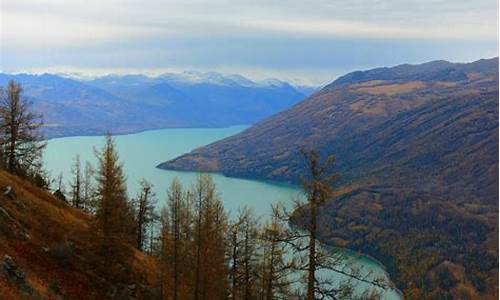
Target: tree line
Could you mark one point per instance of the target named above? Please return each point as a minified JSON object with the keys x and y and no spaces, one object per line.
{"x":202,"y":252}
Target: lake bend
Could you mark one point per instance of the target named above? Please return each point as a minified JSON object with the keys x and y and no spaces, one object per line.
{"x":140,"y":153}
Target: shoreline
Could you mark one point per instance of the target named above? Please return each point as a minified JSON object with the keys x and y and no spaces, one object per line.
{"x":131,"y":132}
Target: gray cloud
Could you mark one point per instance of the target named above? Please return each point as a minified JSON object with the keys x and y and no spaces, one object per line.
{"x":278,"y":37}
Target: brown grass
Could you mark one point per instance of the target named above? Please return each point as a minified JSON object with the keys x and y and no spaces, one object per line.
{"x":368,"y":83}
{"x":50,"y":222}
{"x":9,"y":291}
{"x":207,"y":165}
{"x":392,"y":89}
{"x":474,"y":75}
{"x":446,"y":84}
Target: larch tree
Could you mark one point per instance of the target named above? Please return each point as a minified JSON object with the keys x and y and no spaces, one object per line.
{"x":185,"y":245}
{"x":164,"y":284}
{"x":76,"y":183}
{"x":215,"y":275}
{"x":318,"y":262}
{"x":210,"y":227}
{"x":278,"y":263}
{"x":174,"y":206}
{"x":145,"y":214}
{"x":242,"y":251}
{"x":21,"y":139}
{"x":249,"y":254}
{"x":115,"y":224}
{"x":88,"y":188}
{"x":201,"y":191}
{"x":177,"y":244}
{"x":234,"y":245}
{"x":317,"y":186}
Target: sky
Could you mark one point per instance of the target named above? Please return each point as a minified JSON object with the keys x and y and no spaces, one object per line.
{"x":306,"y":42}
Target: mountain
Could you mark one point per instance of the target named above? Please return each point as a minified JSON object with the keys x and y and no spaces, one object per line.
{"x":370,"y":126}
{"x":131,"y":103}
{"x":71,"y":107}
{"x":47,"y":251}
{"x":417,"y":150}
{"x":206,"y":99}
{"x":194,"y":77}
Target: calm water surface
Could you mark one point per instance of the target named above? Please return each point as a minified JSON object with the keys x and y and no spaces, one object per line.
{"x":141,"y":152}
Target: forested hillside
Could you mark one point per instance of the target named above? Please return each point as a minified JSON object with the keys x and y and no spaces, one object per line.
{"x":417,"y":152}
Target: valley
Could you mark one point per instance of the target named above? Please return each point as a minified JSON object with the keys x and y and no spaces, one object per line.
{"x":249,"y":150}
{"x":141,"y":152}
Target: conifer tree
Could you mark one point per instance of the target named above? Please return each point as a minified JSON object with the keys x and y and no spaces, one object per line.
{"x":88,"y":188}
{"x":145,"y":215}
{"x":21,"y":140}
{"x":317,"y":186}
{"x":278,"y":263}
{"x":210,"y":226}
{"x":234,"y":248}
{"x":76,"y":184}
{"x":242,"y":255}
{"x":115,"y":225}
{"x":177,"y":244}
{"x":165,"y":256}
{"x":174,"y":203}
{"x":318,"y":189}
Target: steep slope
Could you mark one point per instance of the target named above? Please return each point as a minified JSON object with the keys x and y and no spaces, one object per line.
{"x":417,"y":151}
{"x":432,"y":247}
{"x":45,"y":251}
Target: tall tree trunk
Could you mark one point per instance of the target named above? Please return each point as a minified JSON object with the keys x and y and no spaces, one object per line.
{"x":311,"y":276}
{"x":140,"y":238}
{"x":234,"y":263}
{"x":198,"y":250}
{"x":269,"y":290}
{"x":176,"y":247}
{"x":12,"y":145}
{"x":247,"y":271}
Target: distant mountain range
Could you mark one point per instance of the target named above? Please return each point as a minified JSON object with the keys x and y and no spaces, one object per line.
{"x":417,"y":151}
{"x":131,"y":103}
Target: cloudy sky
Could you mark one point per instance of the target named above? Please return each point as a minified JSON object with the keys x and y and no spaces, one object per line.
{"x":303,"y":41}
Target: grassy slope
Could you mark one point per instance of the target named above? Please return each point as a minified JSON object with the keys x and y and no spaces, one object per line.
{"x":50,"y":242}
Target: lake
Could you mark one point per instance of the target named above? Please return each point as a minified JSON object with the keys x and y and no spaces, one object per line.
{"x":141,"y":152}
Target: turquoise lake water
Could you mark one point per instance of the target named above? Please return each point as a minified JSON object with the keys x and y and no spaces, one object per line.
{"x":141,"y":152}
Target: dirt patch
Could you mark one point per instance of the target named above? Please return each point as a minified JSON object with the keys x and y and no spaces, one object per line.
{"x":474,"y":75}
{"x":205,"y":164}
{"x":368,"y":107}
{"x":368,"y":83}
{"x":392,"y":89}
{"x":446,"y":84}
